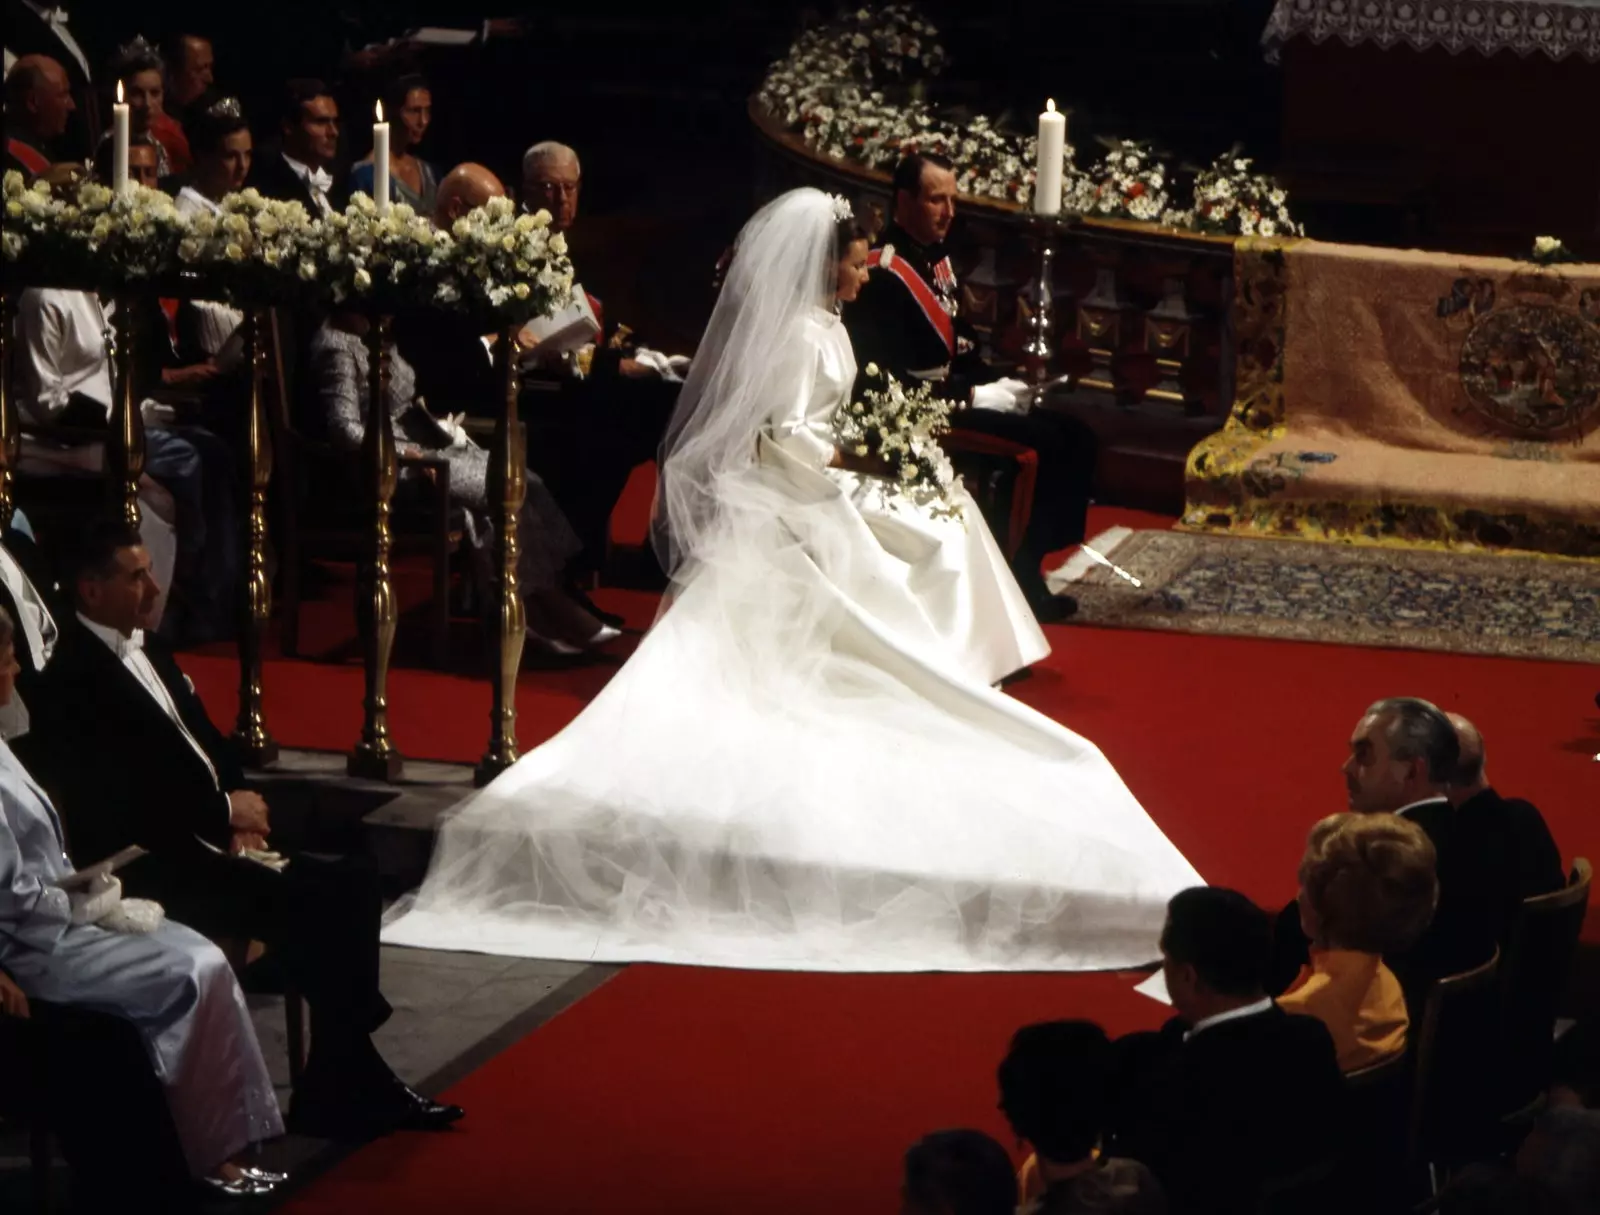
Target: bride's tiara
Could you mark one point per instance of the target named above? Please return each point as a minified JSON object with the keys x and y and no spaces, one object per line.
{"x":842,"y":210}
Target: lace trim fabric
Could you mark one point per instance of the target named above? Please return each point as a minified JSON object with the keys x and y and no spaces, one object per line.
{"x":1557,"y":28}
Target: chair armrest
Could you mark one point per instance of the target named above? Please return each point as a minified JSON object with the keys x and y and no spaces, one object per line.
{"x":435,"y":467}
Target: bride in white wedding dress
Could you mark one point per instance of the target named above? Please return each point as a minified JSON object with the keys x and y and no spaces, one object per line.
{"x":804,"y":765}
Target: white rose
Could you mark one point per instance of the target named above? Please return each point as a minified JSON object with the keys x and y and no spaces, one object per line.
{"x":1545,"y":245}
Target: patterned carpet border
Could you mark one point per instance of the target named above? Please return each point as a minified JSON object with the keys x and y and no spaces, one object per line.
{"x":1513,"y":607}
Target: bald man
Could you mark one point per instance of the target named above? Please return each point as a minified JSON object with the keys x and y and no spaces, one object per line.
{"x":463,"y":188}
{"x":1507,"y":852}
{"x":39,"y":105}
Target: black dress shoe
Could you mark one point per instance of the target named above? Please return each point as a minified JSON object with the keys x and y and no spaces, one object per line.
{"x":426,"y":1114}
{"x":1052,"y":609}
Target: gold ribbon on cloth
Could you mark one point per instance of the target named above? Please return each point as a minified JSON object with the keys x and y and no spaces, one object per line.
{"x":1398,"y":396}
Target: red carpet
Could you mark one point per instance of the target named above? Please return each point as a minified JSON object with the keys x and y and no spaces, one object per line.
{"x":681,"y":1090}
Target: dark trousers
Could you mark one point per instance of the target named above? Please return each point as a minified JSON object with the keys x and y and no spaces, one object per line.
{"x":585,"y":440}
{"x":1066,"y":449}
{"x":319,"y":917}
{"x":104,"y":1105}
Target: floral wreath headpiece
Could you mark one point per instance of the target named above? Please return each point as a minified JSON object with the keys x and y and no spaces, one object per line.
{"x":226,"y":107}
{"x":842,"y":210}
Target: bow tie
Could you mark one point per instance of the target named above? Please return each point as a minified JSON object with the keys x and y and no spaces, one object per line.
{"x":57,"y":17}
{"x":130,"y":645}
{"x":319,"y":180}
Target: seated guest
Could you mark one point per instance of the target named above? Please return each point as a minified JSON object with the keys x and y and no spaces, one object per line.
{"x":136,"y":761}
{"x":1233,"y":1093}
{"x":64,"y":393}
{"x":908,"y":321}
{"x":144,"y":161}
{"x":191,"y":71}
{"x":408,"y":105}
{"x":1562,"y":1153}
{"x":608,"y":418}
{"x":1403,"y":755}
{"x":957,"y":1173}
{"x":1367,"y":888}
{"x":209,"y":333}
{"x":1055,"y":1091}
{"x":38,"y":106}
{"x":339,"y":368}
{"x":170,"y":982}
{"x":296,"y":169}
{"x":142,"y":74}
{"x":1505,"y":844}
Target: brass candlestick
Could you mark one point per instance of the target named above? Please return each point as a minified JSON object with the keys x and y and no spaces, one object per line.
{"x":374,"y":757}
{"x":125,"y":452}
{"x":10,"y":435}
{"x":255,"y":743}
{"x":506,"y":489}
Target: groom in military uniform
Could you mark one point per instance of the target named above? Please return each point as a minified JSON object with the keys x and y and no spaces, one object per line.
{"x":906,"y":320}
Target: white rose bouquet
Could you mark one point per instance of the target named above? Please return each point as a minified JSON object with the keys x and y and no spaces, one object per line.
{"x":901,"y":428}
{"x":259,"y":250}
{"x":1129,"y":183}
{"x":387,"y":261}
{"x":503,"y":267}
{"x":92,"y":238}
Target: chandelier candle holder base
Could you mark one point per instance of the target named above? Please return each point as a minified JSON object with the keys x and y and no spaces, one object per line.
{"x":506,"y":490}
{"x":375,"y":757}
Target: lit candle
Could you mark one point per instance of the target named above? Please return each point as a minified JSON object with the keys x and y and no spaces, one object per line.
{"x":1052,"y":150}
{"x":119,"y":144}
{"x":380,"y":162}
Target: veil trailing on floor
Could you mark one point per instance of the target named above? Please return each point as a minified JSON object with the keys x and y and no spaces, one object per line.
{"x":778,"y":778}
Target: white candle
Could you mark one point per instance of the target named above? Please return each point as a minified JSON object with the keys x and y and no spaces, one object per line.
{"x":1052,"y":148}
{"x":119,"y":144}
{"x":380,"y":162}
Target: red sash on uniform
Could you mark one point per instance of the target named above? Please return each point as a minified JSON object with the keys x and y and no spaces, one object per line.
{"x":599,"y":312}
{"x":34,"y":160}
{"x":920,"y":291}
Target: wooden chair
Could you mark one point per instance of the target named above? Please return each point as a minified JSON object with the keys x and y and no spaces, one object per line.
{"x":24,"y":1079}
{"x":1533,"y":979}
{"x":1455,"y":1096}
{"x":1379,"y":1114}
{"x":312,"y":474}
{"x":1002,"y":477}
{"x":241,"y":956}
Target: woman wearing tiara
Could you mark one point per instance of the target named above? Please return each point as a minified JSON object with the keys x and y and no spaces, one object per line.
{"x":805,"y":764}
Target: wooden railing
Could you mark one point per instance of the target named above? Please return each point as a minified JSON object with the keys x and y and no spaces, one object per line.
{"x":373,"y":755}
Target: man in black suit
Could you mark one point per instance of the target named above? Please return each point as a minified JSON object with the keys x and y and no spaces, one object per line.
{"x":1404,"y":754}
{"x":35,"y":29}
{"x":1233,"y":1093}
{"x":133,"y":759}
{"x":907,"y":321}
{"x":297,"y":168}
{"x":1505,"y":844}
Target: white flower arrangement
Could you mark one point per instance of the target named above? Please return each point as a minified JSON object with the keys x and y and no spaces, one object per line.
{"x":387,"y":260}
{"x":1230,"y":198}
{"x":1551,"y":251}
{"x":830,"y":89}
{"x":257,"y":250}
{"x":93,"y":236}
{"x":1128,"y":183}
{"x":502,"y":266}
{"x":901,"y":428}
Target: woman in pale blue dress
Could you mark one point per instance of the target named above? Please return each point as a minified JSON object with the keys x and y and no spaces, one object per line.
{"x":172,"y":984}
{"x":408,"y":106}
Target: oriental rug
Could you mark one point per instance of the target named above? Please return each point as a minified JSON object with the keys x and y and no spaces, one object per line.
{"x":1522,"y":607}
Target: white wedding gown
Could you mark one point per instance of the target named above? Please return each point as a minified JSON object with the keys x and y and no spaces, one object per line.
{"x":804,"y":765}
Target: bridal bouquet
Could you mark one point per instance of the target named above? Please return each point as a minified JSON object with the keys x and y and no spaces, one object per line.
{"x":902,"y":428}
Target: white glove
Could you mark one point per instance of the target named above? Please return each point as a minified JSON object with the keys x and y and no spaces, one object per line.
{"x":98,"y":901}
{"x":668,"y":367}
{"x":1003,"y":396}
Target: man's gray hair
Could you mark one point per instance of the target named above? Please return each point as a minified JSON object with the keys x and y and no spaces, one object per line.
{"x":545,"y":152}
{"x":1418,"y":729}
